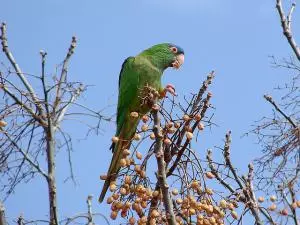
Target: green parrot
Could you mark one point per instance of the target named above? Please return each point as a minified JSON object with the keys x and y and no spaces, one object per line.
{"x":145,"y":69}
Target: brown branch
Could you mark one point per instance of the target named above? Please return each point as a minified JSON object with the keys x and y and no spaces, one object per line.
{"x":286,"y":26}
{"x":161,"y":173}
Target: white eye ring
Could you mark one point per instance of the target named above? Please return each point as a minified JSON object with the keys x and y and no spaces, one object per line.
{"x":174,"y":49}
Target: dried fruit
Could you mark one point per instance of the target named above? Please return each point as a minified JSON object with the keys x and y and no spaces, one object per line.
{"x":200,"y":126}
{"x":109,"y":200}
{"x":197,"y":117}
{"x":177,"y":125}
{"x":115,"y":196}
{"x":189,"y":135}
{"x":260,"y":199}
{"x":273,"y":198}
{"x":210,"y":175}
{"x":144,"y":127}
{"x":152,"y":136}
{"x":137,"y":137}
{"x":114,"y":215}
{"x":115,"y":139}
{"x":175,"y":191}
{"x":123,"y":162}
{"x":284,"y":212}
{"x":145,"y":118}
{"x":167,"y":141}
{"x":234,"y":215}
{"x":223,"y":204}
{"x":3,"y":123}
{"x":112,"y":187}
{"x":103,"y":177}
{"x":131,"y":220}
{"x":134,"y":114}
{"x":179,"y":201}
{"x":126,"y":152}
{"x":272,"y":207}
{"x":186,"y":118}
{"x":138,"y":155}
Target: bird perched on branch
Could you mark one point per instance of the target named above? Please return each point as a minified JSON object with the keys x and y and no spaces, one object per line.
{"x":139,"y":77}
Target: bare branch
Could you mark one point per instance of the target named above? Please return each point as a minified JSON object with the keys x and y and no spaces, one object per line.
{"x":17,"y":68}
{"x":286,"y":26}
{"x":161,"y":172}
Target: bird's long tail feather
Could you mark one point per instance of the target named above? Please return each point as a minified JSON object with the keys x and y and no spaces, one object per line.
{"x":114,"y":166}
{"x":124,"y":142}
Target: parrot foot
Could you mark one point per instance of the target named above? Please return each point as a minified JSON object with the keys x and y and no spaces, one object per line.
{"x":169,"y":88}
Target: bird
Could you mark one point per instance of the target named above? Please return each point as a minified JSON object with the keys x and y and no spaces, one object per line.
{"x":143,"y":70}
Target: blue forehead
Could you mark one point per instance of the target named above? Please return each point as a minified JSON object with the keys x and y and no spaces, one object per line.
{"x":179,"y":49}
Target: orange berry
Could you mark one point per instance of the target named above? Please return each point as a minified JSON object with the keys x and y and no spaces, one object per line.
{"x":210,"y":175}
{"x":3,"y":123}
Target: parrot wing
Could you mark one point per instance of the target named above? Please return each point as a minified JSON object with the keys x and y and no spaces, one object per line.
{"x":126,"y":126}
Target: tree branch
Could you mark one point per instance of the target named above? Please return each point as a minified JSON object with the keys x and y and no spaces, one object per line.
{"x":161,"y":173}
{"x":286,"y":26}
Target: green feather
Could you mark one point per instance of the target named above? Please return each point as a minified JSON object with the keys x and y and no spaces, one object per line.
{"x":137,"y":72}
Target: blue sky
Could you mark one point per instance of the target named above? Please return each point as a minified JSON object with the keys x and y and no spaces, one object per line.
{"x":234,"y":38}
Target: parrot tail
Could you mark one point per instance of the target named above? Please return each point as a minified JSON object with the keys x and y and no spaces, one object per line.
{"x":114,"y":166}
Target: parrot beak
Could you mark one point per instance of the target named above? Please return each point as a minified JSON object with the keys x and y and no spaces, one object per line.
{"x":179,"y":60}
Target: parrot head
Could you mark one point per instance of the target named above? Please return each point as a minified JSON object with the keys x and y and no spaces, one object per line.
{"x":165,"y":55}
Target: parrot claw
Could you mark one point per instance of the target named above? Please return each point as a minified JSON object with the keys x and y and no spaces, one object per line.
{"x":169,"y":88}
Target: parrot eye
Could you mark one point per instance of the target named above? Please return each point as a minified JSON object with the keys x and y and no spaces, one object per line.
{"x":174,"y":49}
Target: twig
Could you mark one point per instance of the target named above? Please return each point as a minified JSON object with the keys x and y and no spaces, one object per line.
{"x":18,"y":69}
{"x":161,"y":173}
{"x":286,"y":26}
{"x":64,"y":71}
{"x":270,"y":99}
